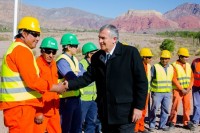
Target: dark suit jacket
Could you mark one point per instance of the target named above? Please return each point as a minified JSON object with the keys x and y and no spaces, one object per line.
{"x":121,"y":83}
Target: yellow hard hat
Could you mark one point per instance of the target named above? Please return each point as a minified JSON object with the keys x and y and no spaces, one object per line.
{"x":183,"y":52}
{"x":29,"y":23}
{"x":165,"y":54}
{"x":145,"y":52}
{"x":124,"y":43}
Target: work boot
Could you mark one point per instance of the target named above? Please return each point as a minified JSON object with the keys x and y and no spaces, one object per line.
{"x":165,"y":128}
{"x":195,"y":124}
{"x":171,"y":126}
{"x":151,"y":129}
{"x":189,"y":126}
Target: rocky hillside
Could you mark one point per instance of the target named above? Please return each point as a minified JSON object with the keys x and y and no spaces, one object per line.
{"x":183,"y":17}
{"x":186,"y":15}
{"x":56,"y":18}
{"x":134,"y":21}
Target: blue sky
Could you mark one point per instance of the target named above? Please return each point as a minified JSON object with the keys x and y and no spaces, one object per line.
{"x":111,"y":8}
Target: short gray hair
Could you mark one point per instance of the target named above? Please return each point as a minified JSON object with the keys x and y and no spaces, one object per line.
{"x":113,"y":30}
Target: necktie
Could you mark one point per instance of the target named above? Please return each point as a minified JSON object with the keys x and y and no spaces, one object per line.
{"x":107,"y":57}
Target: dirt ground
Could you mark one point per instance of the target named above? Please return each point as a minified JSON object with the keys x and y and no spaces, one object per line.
{"x":179,"y":127}
{"x":138,"y":41}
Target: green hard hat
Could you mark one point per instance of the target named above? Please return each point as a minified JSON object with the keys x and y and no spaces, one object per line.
{"x":49,"y":42}
{"x":69,"y":39}
{"x":88,"y":47}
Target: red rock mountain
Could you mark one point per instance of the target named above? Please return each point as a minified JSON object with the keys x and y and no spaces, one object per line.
{"x":55,"y":18}
{"x":135,"y":21}
{"x":186,"y":15}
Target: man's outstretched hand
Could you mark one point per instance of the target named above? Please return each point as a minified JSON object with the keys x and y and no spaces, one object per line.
{"x":60,"y":87}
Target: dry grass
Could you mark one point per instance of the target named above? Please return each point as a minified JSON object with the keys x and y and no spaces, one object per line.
{"x":137,"y":40}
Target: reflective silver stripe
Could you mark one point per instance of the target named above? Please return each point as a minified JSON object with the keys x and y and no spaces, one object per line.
{"x":162,"y":87}
{"x":89,"y":92}
{"x":184,"y":83}
{"x":15,"y":90}
{"x":11,"y":79}
{"x":162,"y":82}
{"x":182,"y":78}
{"x":91,"y":84}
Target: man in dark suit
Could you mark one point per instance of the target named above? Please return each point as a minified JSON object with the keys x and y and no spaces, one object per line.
{"x":121,"y":82}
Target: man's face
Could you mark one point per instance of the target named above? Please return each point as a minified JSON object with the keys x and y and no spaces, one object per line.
{"x":147,"y":59}
{"x":164,"y":61}
{"x":106,"y":42}
{"x":31,"y":38}
{"x":48,"y":54}
{"x":72,"y":49}
{"x":183,"y":59}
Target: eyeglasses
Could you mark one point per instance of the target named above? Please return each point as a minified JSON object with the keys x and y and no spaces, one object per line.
{"x":49,"y":51}
{"x":74,"y":46}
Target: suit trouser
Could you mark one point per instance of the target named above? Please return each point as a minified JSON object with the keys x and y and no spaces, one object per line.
{"x":196,"y":104}
{"x":177,"y":98}
{"x":51,"y":124}
{"x":139,"y":126}
{"x":116,"y":128}
{"x":20,"y":119}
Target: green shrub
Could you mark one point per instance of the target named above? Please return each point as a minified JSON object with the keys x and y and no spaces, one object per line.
{"x":168,"y":44}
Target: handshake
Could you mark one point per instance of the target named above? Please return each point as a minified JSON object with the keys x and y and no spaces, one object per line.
{"x":60,"y":87}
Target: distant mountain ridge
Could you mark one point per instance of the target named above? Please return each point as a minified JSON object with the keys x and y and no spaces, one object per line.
{"x":135,"y":21}
{"x":55,"y":18}
{"x":186,"y":9}
{"x":186,"y":15}
{"x":183,"y":17}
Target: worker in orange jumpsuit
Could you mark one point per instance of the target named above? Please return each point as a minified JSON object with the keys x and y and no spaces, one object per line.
{"x":196,"y":91}
{"x":20,"y":82}
{"x":146,"y":55}
{"x":183,"y":81}
{"x":48,"y":118}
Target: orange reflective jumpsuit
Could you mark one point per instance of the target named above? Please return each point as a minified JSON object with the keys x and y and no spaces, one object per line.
{"x":139,"y":126}
{"x":178,"y":97}
{"x":19,"y":115}
{"x":51,"y":122}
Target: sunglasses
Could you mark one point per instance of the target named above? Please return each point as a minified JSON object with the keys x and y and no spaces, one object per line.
{"x":184,"y":56}
{"x":74,"y":46}
{"x":49,"y":51}
{"x":33,"y":33}
{"x":148,"y":57}
{"x":92,"y":53}
{"x":164,"y":58}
